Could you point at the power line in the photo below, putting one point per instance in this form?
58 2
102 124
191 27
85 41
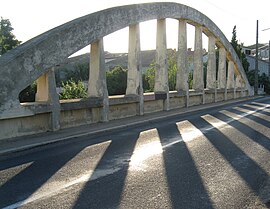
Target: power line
265 29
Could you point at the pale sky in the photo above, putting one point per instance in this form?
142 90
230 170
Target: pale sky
30 18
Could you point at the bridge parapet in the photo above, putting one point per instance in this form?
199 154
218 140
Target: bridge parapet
36 59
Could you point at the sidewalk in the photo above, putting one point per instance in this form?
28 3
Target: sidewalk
27 142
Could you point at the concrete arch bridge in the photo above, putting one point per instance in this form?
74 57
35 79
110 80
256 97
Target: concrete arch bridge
36 59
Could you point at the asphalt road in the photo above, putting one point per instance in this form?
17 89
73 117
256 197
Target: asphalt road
214 158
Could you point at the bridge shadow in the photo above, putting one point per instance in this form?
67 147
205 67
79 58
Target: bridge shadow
246 168
252 116
185 183
107 190
25 183
251 133
105 187
43 164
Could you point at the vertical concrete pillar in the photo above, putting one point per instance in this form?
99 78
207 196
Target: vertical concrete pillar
182 69
198 60
222 68
161 75
97 86
42 94
211 64
238 81
134 75
46 92
230 79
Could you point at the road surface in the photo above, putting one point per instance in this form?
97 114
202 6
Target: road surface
213 158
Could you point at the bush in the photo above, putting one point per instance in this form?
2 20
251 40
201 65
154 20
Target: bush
73 90
116 81
149 75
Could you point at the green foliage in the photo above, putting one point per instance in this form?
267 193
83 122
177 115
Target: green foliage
73 90
7 38
172 68
149 75
116 81
262 79
149 78
190 80
238 49
28 94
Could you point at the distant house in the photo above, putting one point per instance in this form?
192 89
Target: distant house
263 57
263 51
262 65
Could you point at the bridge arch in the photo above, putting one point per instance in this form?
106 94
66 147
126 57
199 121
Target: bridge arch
21 66
35 58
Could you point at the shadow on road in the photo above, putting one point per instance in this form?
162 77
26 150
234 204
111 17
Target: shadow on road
247 169
184 181
104 190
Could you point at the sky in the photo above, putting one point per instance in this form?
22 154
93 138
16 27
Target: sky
30 18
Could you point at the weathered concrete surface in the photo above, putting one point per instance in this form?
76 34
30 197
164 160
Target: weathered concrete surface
182 68
211 64
134 75
97 79
222 68
198 83
230 78
23 65
134 71
161 73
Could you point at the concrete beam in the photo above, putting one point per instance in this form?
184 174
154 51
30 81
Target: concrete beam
238 81
54 100
211 64
97 86
134 75
42 94
161 74
46 92
222 68
198 83
230 78
182 69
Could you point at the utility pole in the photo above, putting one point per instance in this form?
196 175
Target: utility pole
256 61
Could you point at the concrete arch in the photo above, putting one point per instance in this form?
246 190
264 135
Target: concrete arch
23 65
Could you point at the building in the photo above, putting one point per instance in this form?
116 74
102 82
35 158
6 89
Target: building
263 57
263 65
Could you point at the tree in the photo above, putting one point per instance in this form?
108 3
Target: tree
116 81
149 78
149 75
238 49
7 38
